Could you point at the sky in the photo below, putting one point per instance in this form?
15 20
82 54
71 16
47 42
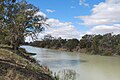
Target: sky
75 18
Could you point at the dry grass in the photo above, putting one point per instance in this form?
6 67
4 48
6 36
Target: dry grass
11 73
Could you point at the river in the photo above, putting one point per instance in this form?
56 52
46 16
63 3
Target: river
85 67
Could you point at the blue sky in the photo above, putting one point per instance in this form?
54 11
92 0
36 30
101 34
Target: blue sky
82 15
65 10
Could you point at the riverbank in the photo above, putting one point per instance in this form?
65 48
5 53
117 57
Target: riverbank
106 45
79 50
21 66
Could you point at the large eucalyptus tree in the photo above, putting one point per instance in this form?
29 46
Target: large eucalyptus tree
18 20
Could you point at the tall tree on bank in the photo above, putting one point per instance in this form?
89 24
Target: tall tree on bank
19 19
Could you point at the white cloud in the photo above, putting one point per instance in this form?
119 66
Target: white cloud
105 18
113 1
104 13
102 29
40 13
57 23
59 29
62 29
83 2
50 11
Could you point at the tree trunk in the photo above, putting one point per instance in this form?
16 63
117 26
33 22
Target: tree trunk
15 46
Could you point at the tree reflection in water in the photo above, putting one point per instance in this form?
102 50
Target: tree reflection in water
67 74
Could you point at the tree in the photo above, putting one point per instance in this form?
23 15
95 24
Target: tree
20 20
86 41
71 44
96 44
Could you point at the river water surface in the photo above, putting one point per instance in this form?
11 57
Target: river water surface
87 67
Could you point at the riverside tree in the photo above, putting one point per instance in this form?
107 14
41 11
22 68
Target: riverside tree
18 20
72 43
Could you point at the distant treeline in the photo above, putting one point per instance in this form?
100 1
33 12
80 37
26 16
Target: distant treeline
107 44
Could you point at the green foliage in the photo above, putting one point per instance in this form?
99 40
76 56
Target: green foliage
51 42
86 41
107 44
95 44
71 44
18 20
